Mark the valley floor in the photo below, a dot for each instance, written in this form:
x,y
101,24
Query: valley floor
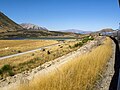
x,y
23,80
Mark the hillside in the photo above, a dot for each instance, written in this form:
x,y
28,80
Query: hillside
x,y
11,30
7,25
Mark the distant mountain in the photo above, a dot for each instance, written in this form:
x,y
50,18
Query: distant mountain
x,y
76,31
7,25
30,26
103,31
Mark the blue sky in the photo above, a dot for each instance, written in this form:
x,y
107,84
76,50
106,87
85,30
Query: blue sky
x,y
64,14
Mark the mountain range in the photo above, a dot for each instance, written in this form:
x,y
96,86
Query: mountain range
x,y
10,29
30,26
76,31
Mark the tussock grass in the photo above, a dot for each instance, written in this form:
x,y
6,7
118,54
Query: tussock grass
x,y
78,74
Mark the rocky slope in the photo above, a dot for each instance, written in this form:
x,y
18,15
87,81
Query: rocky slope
x,y
30,26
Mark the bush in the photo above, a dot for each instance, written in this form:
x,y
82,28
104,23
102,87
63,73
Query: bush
x,y
48,52
6,68
84,40
43,49
33,54
19,51
61,46
78,44
0,71
70,46
87,39
91,38
11,73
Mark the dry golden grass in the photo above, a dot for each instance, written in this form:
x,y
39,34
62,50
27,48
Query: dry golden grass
x,y
78,74
32,60
8,47
39,53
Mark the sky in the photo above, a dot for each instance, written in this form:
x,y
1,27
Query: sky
x,y
87,15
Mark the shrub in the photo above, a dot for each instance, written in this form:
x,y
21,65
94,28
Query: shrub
x,y
11,73
78,44
6,68
61,46
84,40
70,46
91,38
48,52
19,51
31,61
87,39
33,54
43,49
0,71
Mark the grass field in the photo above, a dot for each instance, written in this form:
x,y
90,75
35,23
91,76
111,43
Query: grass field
x,y
31,60
78,74
8,47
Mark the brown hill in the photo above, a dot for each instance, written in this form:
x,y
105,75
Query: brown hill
x,y
7,25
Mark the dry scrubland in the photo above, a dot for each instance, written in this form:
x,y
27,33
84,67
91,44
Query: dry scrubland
x,y
78,74
32,60
26,62
8,47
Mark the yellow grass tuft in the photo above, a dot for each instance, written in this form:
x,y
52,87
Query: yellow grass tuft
x,y
78,74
